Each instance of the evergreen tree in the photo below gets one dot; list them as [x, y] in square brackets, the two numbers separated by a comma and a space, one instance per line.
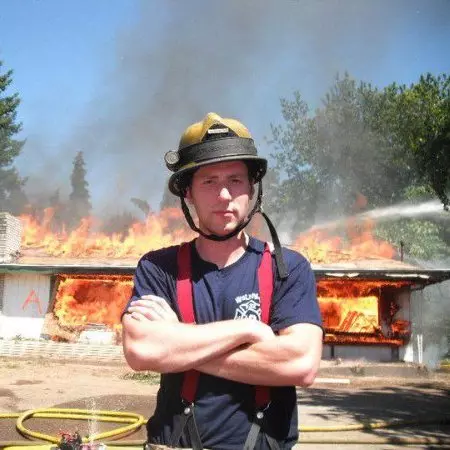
[119, 223]
[12, 197]
[143, 205]
[59, 211]
[79, 204]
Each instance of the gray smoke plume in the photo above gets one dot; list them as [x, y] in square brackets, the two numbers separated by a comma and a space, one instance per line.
[180, 60]
[431, 309]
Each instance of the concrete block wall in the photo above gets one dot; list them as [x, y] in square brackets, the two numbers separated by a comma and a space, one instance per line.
[10, 237]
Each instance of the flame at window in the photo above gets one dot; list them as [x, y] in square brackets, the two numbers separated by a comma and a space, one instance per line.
[83, 299]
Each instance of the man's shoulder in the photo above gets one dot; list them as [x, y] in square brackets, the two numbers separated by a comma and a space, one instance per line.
[161, 253]
[165, 258]
[292, 257]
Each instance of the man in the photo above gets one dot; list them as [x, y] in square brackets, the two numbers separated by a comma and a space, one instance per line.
[226, 383]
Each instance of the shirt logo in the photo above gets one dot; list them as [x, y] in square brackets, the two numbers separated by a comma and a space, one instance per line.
[248, 307]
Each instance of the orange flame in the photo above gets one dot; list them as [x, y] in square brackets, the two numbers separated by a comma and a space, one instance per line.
[358, 243]
[159, 230]
[351, 315]
[168, 228]
[82, 299]
[358, 307]
[348, 307]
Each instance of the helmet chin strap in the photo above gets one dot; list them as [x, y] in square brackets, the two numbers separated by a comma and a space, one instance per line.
[281, 266]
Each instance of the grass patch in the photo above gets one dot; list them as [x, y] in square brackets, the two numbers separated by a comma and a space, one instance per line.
[10, 365]
[8, 362]
[445, 365]
[143, 377]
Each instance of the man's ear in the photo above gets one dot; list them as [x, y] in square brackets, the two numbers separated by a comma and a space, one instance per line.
[188, 195]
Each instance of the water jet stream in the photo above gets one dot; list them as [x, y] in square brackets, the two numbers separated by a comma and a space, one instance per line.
[432, 208]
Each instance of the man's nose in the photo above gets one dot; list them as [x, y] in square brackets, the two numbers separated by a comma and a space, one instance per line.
[224, 193]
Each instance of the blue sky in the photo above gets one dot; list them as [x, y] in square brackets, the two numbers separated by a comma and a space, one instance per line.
[121, 79]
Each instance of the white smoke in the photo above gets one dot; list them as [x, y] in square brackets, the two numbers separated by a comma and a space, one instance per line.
[432, 315]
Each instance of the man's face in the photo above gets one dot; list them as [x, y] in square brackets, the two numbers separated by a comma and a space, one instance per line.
[221, 195]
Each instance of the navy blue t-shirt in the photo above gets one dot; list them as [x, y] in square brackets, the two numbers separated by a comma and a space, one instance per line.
[224, 409]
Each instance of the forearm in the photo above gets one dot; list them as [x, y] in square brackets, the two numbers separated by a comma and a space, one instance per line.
[281, 361]
[174, 347]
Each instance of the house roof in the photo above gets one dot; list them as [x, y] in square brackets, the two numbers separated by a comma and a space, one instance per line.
[380, 269]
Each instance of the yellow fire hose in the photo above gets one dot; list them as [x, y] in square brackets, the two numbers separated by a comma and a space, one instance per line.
[135, 421]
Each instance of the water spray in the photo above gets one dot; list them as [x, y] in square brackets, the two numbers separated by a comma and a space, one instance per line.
[426, 209]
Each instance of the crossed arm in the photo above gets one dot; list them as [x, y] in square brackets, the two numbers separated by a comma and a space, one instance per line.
[246, 351]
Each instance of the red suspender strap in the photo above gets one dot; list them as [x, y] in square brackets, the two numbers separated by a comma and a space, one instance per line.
[186, 306]
[265, 281]
[184, 284]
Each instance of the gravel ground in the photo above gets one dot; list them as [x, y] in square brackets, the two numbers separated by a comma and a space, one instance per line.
[30, 383]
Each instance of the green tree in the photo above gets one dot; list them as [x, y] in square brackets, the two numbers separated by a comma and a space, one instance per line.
[421, 238]
[79, 204]
[385, 146]
[12, 196]
[297, 176]
[427, 237]
[270, 186]
[415, 121]
[331, 157]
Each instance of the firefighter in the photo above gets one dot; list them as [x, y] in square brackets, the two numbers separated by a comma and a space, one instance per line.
[230, 322]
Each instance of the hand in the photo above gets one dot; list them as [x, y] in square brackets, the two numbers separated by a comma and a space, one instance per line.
[259, 330]
[153, 308]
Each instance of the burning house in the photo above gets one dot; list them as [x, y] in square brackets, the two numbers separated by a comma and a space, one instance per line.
[74, 286]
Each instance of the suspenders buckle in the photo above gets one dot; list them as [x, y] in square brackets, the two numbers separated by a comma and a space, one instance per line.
[188, 407]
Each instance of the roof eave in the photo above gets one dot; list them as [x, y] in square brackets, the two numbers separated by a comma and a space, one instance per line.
[416, 275]
[421, 276]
